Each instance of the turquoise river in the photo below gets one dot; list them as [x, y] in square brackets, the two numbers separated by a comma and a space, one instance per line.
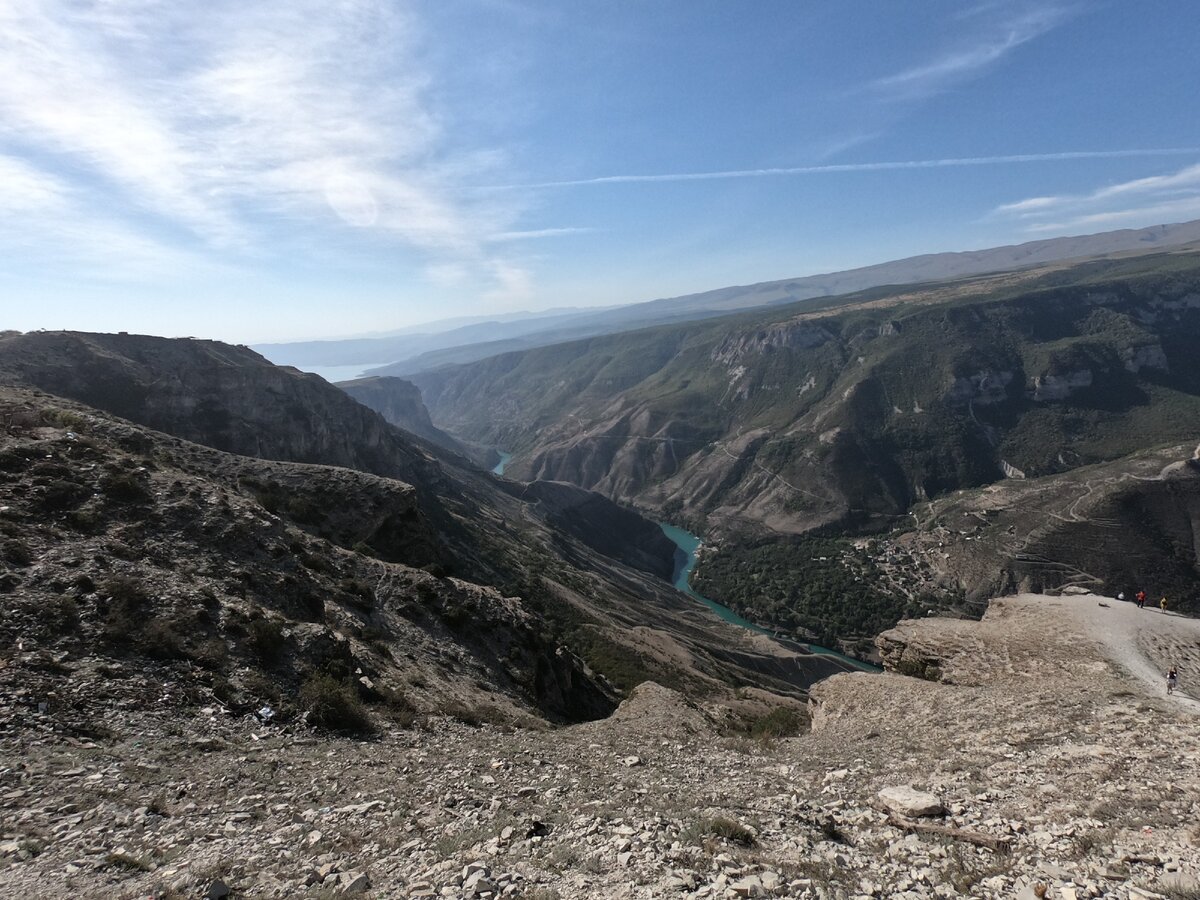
[688, 543]
[504, 458]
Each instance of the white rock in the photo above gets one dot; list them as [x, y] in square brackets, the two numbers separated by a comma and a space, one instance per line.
[910, 802]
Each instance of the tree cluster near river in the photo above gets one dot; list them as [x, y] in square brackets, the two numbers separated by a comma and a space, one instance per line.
[823, 589]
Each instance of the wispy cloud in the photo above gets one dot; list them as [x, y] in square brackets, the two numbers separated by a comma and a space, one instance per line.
[24, 189]
[537, 233]
[950, 162]
[246, 118]
[1157, 198]
[1000, 30]
[47, 222]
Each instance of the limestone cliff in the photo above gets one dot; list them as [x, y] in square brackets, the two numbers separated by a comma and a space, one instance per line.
[791, 418]
[399, 402]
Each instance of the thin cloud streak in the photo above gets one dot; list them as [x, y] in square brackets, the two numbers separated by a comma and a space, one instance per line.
[1141, 200]
[893, 165]
[537, 233]
[1005, 36]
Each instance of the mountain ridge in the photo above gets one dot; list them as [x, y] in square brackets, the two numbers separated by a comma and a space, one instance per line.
[409, 354]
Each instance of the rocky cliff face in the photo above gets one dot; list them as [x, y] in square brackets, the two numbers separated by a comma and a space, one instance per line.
[1129, 524]
[224, 397]
[794, 420]
[787, 335]
[399, 402]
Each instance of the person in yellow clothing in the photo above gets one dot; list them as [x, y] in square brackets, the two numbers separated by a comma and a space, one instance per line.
[1162, 604]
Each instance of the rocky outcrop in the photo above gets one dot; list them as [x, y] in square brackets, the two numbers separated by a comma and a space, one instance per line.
[785, 335]
[905, 800]
[399, 402]
[982, 388]
[902, 651]
[1147, 356]
[1010, 471]
[1052, 387]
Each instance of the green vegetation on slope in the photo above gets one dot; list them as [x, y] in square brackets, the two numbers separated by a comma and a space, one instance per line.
[821, 588]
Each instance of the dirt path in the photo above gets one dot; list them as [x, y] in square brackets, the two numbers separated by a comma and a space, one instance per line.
[1145, 642]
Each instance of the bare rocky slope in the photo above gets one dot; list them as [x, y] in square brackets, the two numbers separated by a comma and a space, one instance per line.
[399, 402]
[371, 513]
[1045, 760]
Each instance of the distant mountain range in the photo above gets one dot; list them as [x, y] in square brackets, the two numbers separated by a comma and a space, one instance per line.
[438, 345]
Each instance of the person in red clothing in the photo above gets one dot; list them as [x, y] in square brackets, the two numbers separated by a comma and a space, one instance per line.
[1141, 599]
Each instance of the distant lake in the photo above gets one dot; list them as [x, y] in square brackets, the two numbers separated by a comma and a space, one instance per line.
[340, 373]
[504, 458]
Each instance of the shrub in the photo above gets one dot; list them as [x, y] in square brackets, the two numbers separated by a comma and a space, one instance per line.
[161, 641]
[124, 487]
[127, 606]
[460, 712]
[62, 494]
[782, 721]
[357, 592]
[123, 860]
[62, 615]
[124, 589]
[722, 828]
[87, 519]
[266, 640]
[16, 552]
[400, 710]
[334, 706]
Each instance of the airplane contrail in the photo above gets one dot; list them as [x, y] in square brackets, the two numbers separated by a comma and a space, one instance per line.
[860, 167]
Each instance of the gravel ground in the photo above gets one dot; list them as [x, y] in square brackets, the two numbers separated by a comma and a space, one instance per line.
[1048, 756]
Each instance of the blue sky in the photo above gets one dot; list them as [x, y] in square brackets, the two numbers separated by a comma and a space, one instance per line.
[292, 169]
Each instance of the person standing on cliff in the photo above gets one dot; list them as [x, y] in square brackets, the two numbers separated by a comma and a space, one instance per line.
[1162, 604]
[1141, 599]
[1172, 680]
